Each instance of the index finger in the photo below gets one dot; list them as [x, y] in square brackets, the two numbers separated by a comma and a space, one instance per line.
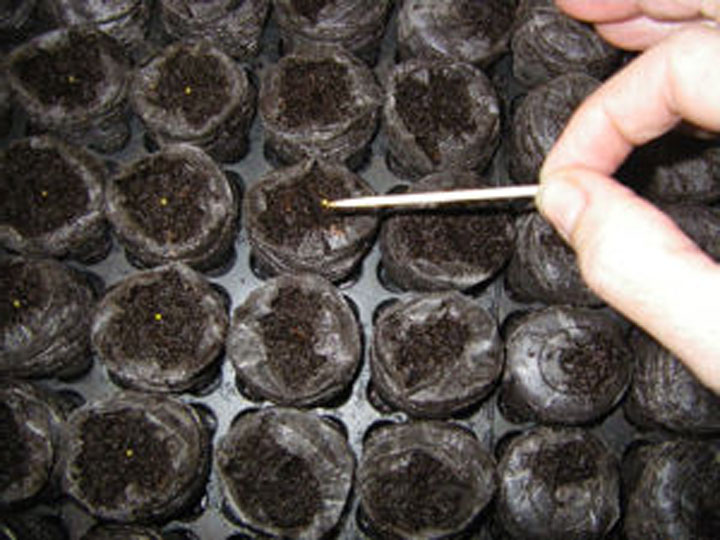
[677, 79]
[599, 11]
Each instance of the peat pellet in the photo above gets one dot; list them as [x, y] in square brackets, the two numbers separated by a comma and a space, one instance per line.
[458, 30]
[440, 116]
[53, 200]
[557, 484]
[45, 311]
[286, 473]
[135, 457]
[423, 480]
[435, 354]
[235, 27]
[544, 268]
[322, 103]
[356, 25]
[547, 43]
[671, 490]
[440, 249]
[564, 365]
[6, 111]
[30, 421]
[539, 119]
[665, 394]
[122, 532]
[289, 229]
[174, 206]
[195, 93]
[161, 330]
[295, 341]
[74, 82]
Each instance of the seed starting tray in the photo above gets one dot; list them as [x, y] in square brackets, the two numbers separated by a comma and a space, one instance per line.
[366, 291]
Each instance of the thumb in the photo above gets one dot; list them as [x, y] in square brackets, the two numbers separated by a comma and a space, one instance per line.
[636, 259]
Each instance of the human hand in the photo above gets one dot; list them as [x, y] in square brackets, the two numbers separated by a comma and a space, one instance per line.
[638, 24]
[631, 254]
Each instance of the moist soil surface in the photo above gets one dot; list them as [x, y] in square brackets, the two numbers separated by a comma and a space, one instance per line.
[163, 196]
[39, 190]
[13, 451]
[22, 293]
[68, 76]
[272, 484]
[310, 9]
[435, 111]
[194, 85]
[314, 93]
[120, 449]
[485, 18]
[295, 211]
[588, 366]
[426, 349]
[162, 322]
[566, 464]
[478, 238]
[289, 337]
[422, 493]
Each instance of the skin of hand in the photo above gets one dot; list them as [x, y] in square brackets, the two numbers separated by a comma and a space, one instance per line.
[630, 253]
[639, 24]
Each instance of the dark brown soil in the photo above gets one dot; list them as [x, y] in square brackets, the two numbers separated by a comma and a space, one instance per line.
[476, 238]
[427, 348]
[194, 85]
[566, 464]
[162, 322]
[39, 190]
[120, 449]
[294, 211]
[491, 18]
[272, 484]
[69, 76]
[163, 197]
[314, 93]
[13, 451]
[310, 8]
[435, 111]
[289, 337]
[21, 293]
[590, 364]
[420, 493]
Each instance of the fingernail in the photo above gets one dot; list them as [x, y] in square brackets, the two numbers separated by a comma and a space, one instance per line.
[561, 201]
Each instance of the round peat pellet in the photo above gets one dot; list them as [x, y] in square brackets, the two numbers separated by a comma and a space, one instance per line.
[52, 200]
[665, 394]
[195, 93]
[322, 103]
[235, 27]
[174, 205]
[423, 480]
[440, 249]
[286, 473]
[459, 30]
[436, 354]
[564, 365]
[356, 25]
[30, 423]
[295, 341]
[440, 116]
[539, 119]
[45, 312]
[547, 43]
[122, 532]
[672, 491]
[544, 268]
[161, 330]
[289, 229]
[74, 82]
[558, 484]
[125, 20]
[135, 457]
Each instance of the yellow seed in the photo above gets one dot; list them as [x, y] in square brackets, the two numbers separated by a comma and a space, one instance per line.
[16, 303]
[72, 79]
[44, 193]
[158, 316]
[188, 90]
[163, 201]
[129, 452]
[325, 203]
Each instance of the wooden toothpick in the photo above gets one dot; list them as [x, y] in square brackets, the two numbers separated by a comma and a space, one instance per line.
[433, 198]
